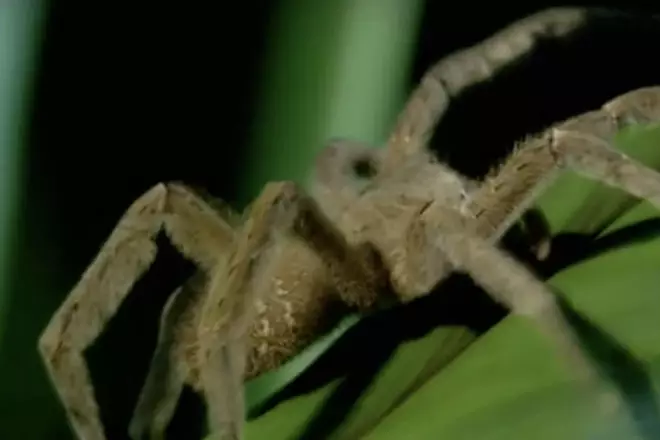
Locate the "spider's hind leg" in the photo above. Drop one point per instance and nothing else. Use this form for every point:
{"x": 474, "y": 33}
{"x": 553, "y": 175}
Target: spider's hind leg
{"x": 173, "y": 363}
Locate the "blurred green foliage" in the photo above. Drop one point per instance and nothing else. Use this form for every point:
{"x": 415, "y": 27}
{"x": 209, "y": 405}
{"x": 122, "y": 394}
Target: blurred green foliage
{"x": 347, "y": 81}
{"x": 22, "y": 384}
{"x": 19, "y": 34}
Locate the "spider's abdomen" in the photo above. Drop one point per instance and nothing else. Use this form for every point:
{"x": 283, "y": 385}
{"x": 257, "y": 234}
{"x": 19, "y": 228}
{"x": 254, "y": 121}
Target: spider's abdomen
{"x": 296, "y": 308}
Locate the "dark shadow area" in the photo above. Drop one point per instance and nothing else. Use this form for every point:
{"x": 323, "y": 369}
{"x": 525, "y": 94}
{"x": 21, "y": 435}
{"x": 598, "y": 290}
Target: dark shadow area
{"x": 189, "y": 419}
{"x": 343, "y": 399}
{"x": 623, "y": 369}
{"x": 571, "y": 248}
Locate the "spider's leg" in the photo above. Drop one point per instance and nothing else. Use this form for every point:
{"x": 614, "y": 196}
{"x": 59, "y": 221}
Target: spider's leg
{"x": 510, "y": 283}
{"x": 281, "y": 210}
{"x": 193, "y": 226}
{"x": 468, "y": 235}
{"x": 173, "y": 362}
{"x": 458, "y": 71}
{"x": 582, "y": 144}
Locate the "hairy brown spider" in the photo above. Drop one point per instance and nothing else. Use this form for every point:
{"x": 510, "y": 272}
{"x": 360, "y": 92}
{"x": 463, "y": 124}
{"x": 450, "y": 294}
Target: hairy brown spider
{"x": 264, "y": 282}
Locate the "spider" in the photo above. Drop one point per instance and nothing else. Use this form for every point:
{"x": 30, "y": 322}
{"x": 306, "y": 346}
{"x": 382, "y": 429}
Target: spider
{"x": 264, "y": 282}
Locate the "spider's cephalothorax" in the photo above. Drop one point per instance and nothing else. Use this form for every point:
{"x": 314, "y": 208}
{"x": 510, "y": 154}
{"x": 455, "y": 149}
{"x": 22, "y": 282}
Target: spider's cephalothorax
{"x": 378, "y": 220}
{"x": 380, "y": 210}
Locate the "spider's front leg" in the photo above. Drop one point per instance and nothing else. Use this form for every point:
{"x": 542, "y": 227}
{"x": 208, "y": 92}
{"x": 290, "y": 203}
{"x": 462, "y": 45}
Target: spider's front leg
{"x": 280, "y": 214}
{"x": 458, "y": 71}
{"x": 582, "y": 144}
{"x": 193, "y": 226}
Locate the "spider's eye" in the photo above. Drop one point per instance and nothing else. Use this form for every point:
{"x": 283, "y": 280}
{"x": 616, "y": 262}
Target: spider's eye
{"x": 364, "y": 168}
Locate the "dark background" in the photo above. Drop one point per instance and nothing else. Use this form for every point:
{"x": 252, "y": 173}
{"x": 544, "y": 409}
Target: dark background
{"x": 128, "y": 95}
